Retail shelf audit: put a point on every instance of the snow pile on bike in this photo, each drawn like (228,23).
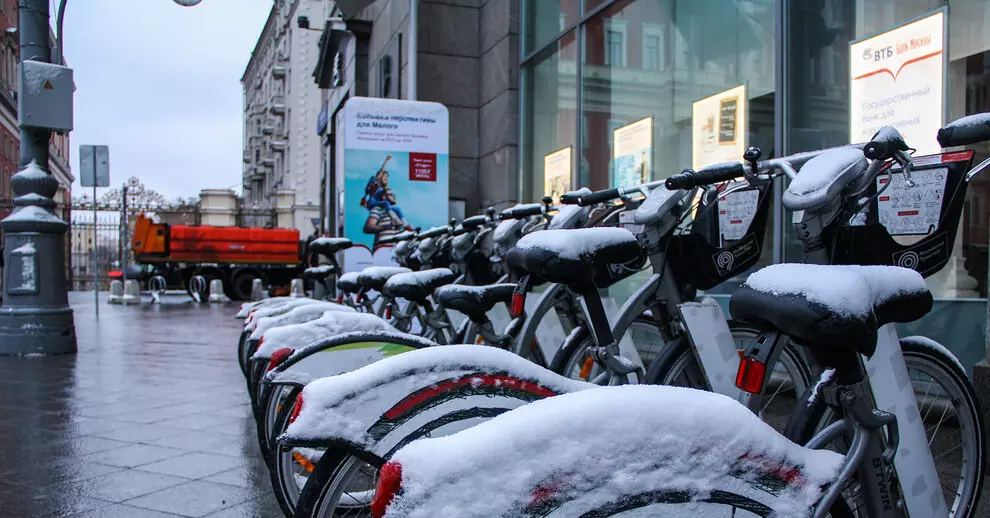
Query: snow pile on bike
(297,315)
(346,406)
(605,447)
(296,336)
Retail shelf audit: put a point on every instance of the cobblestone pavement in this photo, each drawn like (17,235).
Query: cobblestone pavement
(150,418)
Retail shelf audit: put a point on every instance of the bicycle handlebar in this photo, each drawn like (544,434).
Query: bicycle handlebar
(598,197)
(971,129)
(521,211)
(434,232)
(715,173)
(474,222)
(885,144)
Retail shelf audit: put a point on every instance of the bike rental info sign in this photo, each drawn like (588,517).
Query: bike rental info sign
(392,159)
(897,79)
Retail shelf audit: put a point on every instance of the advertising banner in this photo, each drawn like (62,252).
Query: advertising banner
(719,128)
(557,173)
(897,79)
(393,156)
(632,153)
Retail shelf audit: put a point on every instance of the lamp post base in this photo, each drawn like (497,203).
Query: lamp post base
(37,331)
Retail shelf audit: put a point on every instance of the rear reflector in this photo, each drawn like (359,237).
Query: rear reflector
(340,299)
(388,312)
(389,484)
(296,408)
(749,377)
(279,356)
(518,303)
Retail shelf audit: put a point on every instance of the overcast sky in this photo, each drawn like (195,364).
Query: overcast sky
(160,84)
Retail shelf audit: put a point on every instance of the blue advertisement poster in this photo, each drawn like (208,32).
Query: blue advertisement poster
(395,168)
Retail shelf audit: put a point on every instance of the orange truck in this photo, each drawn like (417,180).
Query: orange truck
(236,256)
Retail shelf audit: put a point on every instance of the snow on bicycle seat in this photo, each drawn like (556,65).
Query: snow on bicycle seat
(375,277)
(349,282)
(830,306)
(660,201)
(318,272)
(473,301)
(822,178)
(329,245)
(570,216)
(574,256)
(581,454)
(417,286)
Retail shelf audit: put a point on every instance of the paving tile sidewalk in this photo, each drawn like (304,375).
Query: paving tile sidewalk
(150,418)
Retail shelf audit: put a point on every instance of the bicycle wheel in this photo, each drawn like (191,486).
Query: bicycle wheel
(341,485)
(952,417)
(242,351)
(678,366)
(572,359)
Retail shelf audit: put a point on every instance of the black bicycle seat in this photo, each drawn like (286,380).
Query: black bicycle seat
(349,283)
(318,272)
(375,277)
(580,256)
(473,301)
(824,177)
(329,245)
(417,286)
(832,306)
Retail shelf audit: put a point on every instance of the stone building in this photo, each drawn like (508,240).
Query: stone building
(281,105)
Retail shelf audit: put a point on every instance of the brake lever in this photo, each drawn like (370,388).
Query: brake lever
(906,163)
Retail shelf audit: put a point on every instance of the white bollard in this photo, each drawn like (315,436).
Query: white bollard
(216,291)
(257,290)
(297,288)
(132,292)
(116,292)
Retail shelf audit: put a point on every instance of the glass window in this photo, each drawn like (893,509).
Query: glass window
(545,19)
(550,97)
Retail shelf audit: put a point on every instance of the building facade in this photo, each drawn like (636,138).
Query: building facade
(523,79)
(281,105)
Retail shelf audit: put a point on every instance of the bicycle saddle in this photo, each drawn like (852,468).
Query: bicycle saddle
(473,301)
(329,245)
(417,286)
(580,256)
(375,277)
(824,177)
(349,282)
(318,272)
(832,306)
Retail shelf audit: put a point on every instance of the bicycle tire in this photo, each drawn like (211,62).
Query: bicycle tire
(314,500)
(809,418)
(242,351)
(281,459)
(678,359)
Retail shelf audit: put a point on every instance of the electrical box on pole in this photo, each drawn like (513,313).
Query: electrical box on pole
(45,96)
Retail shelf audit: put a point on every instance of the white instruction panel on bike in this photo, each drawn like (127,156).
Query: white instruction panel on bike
(916,210)
(736,211)
(894,392)
(709,333)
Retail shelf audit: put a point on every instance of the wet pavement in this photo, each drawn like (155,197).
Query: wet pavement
(150,418)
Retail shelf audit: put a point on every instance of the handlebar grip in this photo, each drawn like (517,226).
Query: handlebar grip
(886,142)
(474,222)
(521,212)
(434,232)
(715,173)
(598,197)
(570,198)
(971,129)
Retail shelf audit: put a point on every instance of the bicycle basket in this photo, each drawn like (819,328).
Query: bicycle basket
(933,207)
(725,239)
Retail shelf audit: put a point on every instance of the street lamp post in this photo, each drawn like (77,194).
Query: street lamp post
(35,316)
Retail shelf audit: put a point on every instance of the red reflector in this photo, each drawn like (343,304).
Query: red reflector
(388,312)
(296,408)
(278,357)
(389,483)
(518,303)
(340,299)
(749,377)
